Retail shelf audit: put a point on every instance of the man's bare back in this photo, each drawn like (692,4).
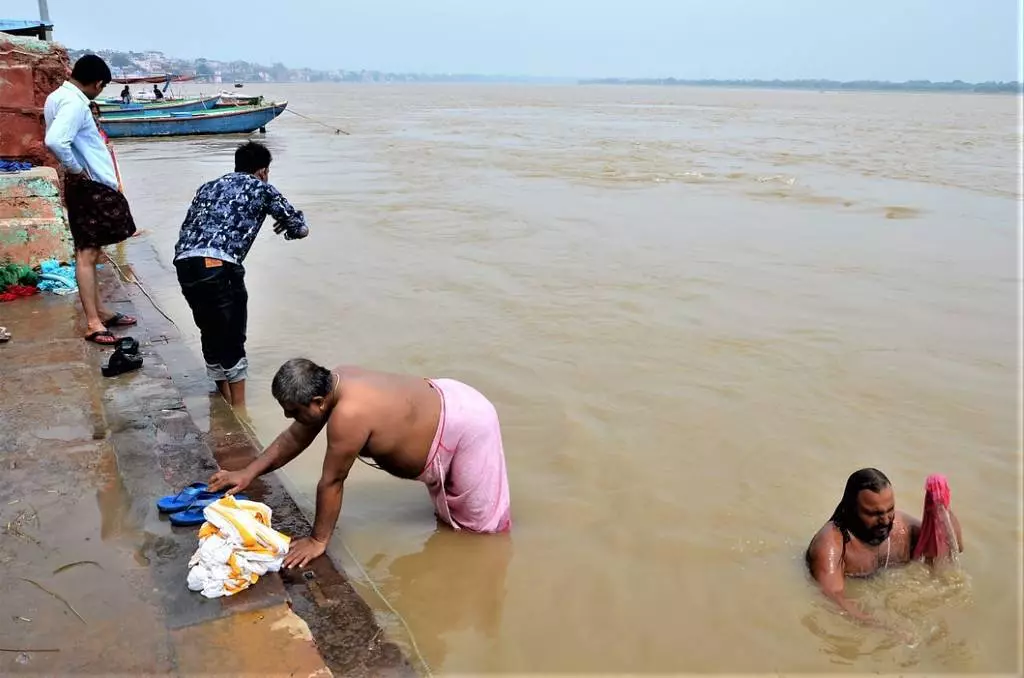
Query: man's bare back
(395,420)
(400,412)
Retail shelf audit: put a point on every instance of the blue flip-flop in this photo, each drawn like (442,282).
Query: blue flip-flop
(193,515)
(182,500)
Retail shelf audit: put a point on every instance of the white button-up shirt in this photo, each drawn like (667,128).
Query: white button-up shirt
(72,135)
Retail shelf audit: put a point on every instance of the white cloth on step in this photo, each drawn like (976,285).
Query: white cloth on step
(236,547)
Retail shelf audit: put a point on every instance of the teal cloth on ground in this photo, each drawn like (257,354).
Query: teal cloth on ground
(57,278)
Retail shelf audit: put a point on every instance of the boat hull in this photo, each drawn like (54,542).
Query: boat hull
(219,121)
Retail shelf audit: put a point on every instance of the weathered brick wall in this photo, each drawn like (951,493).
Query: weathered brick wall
(33,226)
(29,70)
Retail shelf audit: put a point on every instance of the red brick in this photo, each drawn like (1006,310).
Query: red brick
(50,65)
(14,54)
(17,86)
(29,72)
(30,241)
(49,76)
(29,208)
(21,135)
(41,182)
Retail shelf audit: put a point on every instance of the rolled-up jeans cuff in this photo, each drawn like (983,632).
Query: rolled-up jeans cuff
(215,372)
(237,373)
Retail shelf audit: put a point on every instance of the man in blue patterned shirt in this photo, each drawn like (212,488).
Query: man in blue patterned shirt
(219,229)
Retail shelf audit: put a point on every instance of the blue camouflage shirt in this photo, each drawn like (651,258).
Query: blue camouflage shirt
(226,216)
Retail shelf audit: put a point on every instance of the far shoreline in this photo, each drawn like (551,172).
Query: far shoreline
(822,86)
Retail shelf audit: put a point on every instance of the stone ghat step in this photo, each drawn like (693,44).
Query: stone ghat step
(38,182)
(31,241)
(35,207)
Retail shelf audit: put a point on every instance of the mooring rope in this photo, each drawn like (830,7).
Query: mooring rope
(337,130)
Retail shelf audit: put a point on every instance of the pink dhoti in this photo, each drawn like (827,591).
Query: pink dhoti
(465,471)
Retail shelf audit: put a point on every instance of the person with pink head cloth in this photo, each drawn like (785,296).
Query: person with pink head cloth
(440,432)
(866,534)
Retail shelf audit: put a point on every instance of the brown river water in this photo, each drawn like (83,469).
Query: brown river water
(697,311)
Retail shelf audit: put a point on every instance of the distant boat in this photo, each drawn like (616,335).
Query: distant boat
(151,106)
(239,85)
(239,120)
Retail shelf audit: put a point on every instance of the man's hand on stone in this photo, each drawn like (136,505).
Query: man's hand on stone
(302,551)
(229,482)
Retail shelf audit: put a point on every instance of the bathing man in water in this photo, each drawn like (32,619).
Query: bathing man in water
(437,431)
(865,534)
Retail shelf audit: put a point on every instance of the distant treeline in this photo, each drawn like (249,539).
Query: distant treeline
(855,85)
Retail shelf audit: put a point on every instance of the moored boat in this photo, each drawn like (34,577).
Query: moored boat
(115,107)
(227,99)
(239,120)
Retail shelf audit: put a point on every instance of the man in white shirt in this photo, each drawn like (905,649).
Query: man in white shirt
(98,213)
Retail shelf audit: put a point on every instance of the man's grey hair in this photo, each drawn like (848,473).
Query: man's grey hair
(299,380)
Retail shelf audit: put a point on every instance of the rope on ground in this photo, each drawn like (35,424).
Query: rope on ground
(337,130)
(138,284)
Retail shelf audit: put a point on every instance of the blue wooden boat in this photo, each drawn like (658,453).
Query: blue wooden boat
(241,120)
(115,107)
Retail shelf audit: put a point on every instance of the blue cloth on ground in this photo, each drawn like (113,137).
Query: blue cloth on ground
(53,277)
(14,166)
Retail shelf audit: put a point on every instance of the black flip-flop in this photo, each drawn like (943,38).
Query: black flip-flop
(105,333)
(118,320)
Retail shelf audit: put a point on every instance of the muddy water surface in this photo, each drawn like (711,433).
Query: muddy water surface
(697,312)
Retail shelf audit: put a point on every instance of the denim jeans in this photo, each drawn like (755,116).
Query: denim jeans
(215,291)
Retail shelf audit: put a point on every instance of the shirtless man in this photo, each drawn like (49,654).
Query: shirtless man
(438,431)
(865,534)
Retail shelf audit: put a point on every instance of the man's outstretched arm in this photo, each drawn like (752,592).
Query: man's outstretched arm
(346,438)
(288,445)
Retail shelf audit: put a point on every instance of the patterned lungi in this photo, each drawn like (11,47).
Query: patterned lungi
(98,215)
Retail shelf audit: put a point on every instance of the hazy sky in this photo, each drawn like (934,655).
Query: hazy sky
(871,39)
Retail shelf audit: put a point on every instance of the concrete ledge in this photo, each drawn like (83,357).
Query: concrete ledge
(72,441)
(38,182)
(31,208)
(76,481)
(342,623)
(30,241)
(33,225)
(271,642)
(83,458)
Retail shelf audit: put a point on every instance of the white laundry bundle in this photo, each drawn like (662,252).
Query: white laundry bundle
(236,547)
